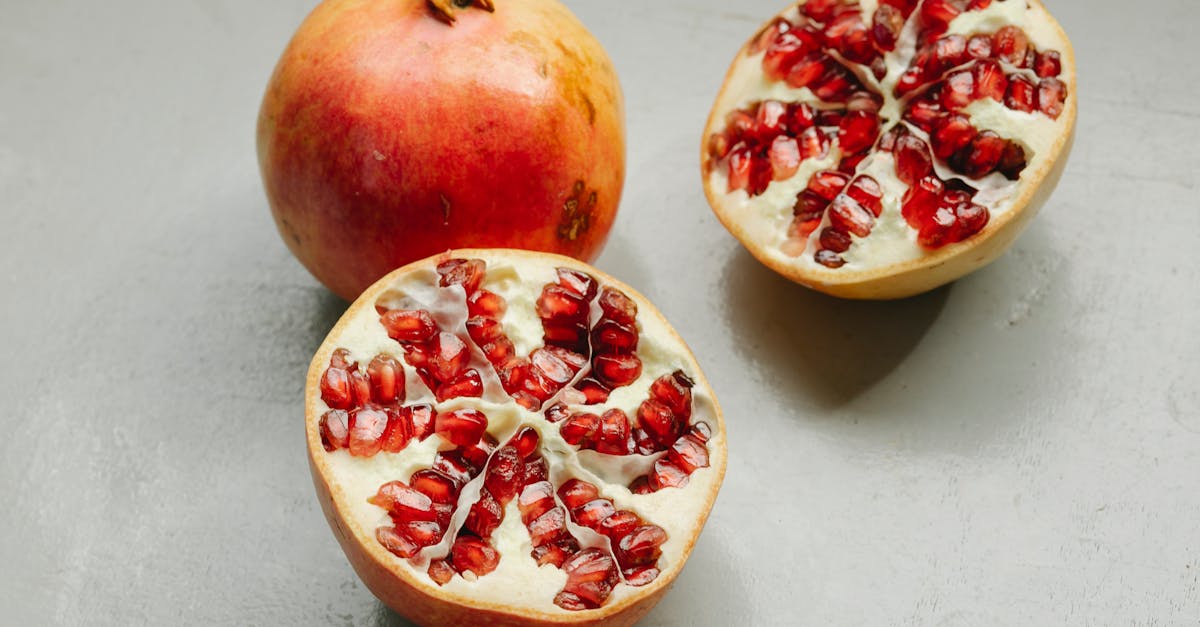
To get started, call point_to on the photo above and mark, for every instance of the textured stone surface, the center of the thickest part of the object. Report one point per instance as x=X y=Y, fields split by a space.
x=1019 y=448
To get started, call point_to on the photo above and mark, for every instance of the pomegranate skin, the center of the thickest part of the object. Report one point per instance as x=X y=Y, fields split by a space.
x=387 y=135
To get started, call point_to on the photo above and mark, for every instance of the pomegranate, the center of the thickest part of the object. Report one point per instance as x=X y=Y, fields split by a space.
x=512 y=437
x=881 y=148
x=392 y=130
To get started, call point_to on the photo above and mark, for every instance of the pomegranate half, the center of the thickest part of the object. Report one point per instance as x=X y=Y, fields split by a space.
x=508 y=437
x=882 y=148
x=392 y=130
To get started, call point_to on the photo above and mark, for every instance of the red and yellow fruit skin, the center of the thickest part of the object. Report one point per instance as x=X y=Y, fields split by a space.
x=386 y=136
x=413 y=595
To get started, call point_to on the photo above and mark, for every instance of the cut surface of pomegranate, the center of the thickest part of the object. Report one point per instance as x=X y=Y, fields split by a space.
x=881 y=148
x=511 y=436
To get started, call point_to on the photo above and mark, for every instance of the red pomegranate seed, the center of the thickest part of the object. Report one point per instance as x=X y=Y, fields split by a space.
x=592 y=513
x=1051 y=93
x=660 y=423
x=858 y=131
x=643 y=443
x=335 y=429
x=613 y=437
x=924 y=114
x=555 y=554
x=420 y=420
x=360 y=386
x=950 y=135
x=813 y=143
x=990 y=81
x=853 y=39
x=1012 y=161
x=422 y=532
x=591 y=576
x=867 y=192
x=440 y=572
x=970 y=219
x=641 y=575
x=641 y=485
x=667 y=475
x=366 y=428
x=473 y=554
x=800 y=116
x=467 y=384
x=619 y=524
x=395 y=543
x=836 y=85
x=617 y=306
x=485 y=304
x=827 y=184
x=504 y=474
x=912 y=159
x=689 y=453
x=768 y=34
x=785 y=157
x=403 y=503
x=981 y=157
x=921 y=200
x=674 y=391
x=979 y=47
x=886 y=27
x=449 y=357
x=594 y=392
x=829 y=259
x=579 y=428
x=808 y=70
x=976 y=5
x=786 y=50
x=836 y=240
x=641 y=547
x=846 y=214
x=739 y=123
x=451 y=464
x=397 y=432
x=437 y=486
x=461 y=427
x=935 y=233
x=937 y=14
x=465 y=272
x=557 y=303
x=611 y=336
x=387 y=379
x=525 y=441
x=550 y=364
x=581 y=283
x=484 y=516
x=335 y=382
x=949 y=52
x=536 y=499
x=536 y=470
x=485 y=330
x=1048 y=64
x=738 y=168
x=701 y=431
x=769 y=120
x=575 y=492
x=617 y=370
x=409 y=326
x=1010 y=44
x=477 y=455
x=548 y=528
x=958 y=90
x=820 y=10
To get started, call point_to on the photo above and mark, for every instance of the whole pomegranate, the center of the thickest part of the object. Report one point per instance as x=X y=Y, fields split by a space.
x=392 y=130
x=504 y=437
x=881 y=148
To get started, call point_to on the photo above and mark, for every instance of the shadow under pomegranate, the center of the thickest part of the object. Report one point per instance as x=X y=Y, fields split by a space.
x=819 y=349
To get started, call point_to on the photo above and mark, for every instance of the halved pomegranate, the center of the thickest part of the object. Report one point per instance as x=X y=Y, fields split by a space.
x=504 y=437
x=881 y=148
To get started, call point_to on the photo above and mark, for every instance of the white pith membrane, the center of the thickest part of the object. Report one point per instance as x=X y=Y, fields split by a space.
x=518 y=583
x=764 y=220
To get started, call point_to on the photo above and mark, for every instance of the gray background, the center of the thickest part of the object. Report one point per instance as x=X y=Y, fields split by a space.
x=1022 y=447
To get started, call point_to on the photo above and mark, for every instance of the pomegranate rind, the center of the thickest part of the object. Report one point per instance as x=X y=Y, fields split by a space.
x=936 y=267
x=412 y=593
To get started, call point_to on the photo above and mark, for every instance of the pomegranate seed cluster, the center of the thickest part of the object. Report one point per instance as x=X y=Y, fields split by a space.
x=445 y=515
x=894 y=82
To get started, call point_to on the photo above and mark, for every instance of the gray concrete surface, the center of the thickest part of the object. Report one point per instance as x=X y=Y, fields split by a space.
x=1020 y=448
